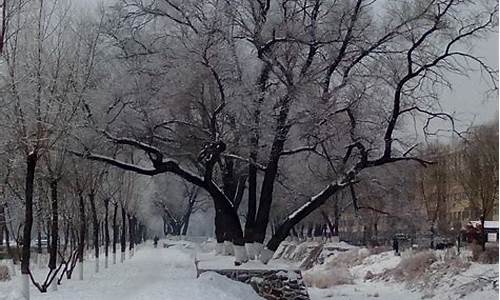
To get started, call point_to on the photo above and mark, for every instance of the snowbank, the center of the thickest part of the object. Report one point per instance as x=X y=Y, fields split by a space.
x=324 y=277
x=375 y=264
x=223 y=288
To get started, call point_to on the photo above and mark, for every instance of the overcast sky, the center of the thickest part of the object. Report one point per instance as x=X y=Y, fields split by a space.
x=468 y=97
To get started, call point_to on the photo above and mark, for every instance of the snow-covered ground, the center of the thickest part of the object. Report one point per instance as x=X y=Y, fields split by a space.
x=209 y=261
x=170 y=273
x=476 y=282
x=153 y=273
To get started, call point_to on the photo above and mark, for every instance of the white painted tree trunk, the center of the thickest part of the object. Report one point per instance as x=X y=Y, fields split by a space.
x=257 y=248
x=53 y=285
x=97 y=264
x=250 y=250
x=80 y=270
x=122 y=258
x=114 y=258
x=228 y=248
x=266 y=255
x=106 y=262
x=13 y=268
x=25 y=286
x=240 y=253
x=219 y=248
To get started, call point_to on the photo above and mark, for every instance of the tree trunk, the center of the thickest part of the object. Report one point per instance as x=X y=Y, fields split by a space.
x=331 y=227
x=186 y=218
x=229 y=184
x=229 y=220
x=131 y=230
x=7 y=245
x=137 y=232
x=483 y=233
x=310 y=227
x=336 y=220
x=252 y=203
x=240 y=191
x=115 y=231
x=3 y=224
x=66 y=239
x=83 y=230
x=252 y=168
x=28 y=217
x=318 y=230
x=39 y=238
x=296 y=217
x=166 y=226
x=95 y=228
x=266 y=193
x=123 y=235
x=55 y=226
x=106 y=232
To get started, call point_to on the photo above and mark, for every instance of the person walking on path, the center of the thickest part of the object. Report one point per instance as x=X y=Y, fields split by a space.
x=395 y=246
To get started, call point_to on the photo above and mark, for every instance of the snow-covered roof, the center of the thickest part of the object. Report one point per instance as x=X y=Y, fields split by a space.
x=487 y=224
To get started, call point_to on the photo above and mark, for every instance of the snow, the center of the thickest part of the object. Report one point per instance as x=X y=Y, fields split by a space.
x=153 y=273
x=209 y=261
x=303 y=207
x=487 y=224
x=477 y=282
x=377 y=263
x=170 y=273
x=223 y=288
x=365 y=290
x=474 y=283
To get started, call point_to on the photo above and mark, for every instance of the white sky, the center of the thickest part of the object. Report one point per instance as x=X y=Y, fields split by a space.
x=468 y=97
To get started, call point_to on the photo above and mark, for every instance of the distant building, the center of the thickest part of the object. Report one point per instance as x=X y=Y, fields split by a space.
x=443 y=194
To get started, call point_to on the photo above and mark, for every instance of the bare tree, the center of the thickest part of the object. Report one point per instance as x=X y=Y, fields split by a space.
x=331 y=80
x=478 y=172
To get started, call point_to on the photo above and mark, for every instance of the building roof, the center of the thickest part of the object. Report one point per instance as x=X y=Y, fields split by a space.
x=487 y=224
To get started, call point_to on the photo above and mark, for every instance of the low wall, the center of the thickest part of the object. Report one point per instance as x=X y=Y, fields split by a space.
x=269 y=284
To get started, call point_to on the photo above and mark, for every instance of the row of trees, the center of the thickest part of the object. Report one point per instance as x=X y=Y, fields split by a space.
x=465 y=174
x=48 y=67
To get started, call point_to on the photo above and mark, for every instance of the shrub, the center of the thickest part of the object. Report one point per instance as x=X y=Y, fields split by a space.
x=414 y=266
x=349 y=258
x=489 y=256
x=378 y=249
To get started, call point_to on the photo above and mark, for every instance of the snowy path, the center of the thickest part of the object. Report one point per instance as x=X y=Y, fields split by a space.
x=167 y=274
x=365 y=290
x=148 y=275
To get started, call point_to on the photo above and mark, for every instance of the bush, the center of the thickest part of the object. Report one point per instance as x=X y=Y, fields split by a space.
x=349 y=258
x=4 y=273
x=369 y=275
x=489 y=256
x=414 y=266
x=378 y=249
